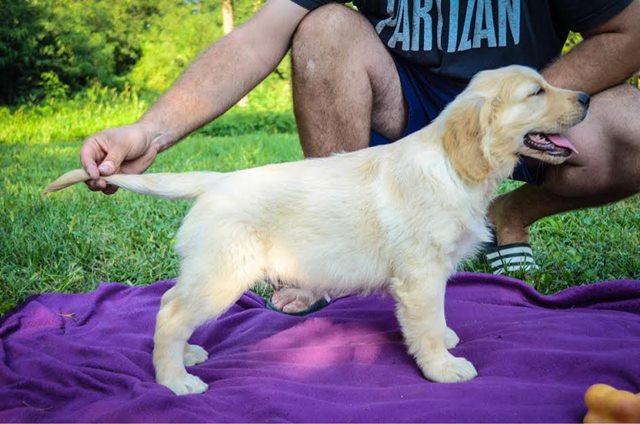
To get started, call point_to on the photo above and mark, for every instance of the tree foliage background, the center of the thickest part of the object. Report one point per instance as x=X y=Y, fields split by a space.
x=53 y=48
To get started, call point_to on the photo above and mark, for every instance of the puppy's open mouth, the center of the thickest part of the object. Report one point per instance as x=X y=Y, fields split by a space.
x=552 y=144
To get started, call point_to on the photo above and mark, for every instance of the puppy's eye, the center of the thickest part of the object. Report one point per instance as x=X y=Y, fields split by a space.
x=540 y=91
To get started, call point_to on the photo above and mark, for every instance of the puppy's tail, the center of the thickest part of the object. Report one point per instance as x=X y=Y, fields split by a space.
x=186 y=185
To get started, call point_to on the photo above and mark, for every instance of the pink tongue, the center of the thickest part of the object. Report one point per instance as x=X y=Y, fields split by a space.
x=561 y=141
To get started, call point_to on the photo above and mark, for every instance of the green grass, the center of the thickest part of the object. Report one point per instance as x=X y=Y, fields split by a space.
x=77 y=238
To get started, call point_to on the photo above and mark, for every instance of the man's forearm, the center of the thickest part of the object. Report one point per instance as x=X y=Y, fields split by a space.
x=224 y=73
x=607 y=57
x=598 y=63
x=211 y=85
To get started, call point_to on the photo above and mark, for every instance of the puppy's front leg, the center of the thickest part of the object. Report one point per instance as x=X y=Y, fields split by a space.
x=420 y=311
x=451 y=339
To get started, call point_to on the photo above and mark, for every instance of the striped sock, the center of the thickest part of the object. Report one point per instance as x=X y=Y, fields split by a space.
x=510 y=258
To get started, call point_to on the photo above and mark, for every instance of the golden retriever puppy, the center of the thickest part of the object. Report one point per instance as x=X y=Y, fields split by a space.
x=398 y=217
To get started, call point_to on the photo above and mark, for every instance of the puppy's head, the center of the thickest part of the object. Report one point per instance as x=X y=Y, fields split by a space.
x=508 y=112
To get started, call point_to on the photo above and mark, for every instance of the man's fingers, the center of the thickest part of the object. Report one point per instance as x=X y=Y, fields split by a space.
x=96 y=185
x=88 y=160
x=110 y=189
x=101 y=185
x=92 y=185
x=138 y=165
x=111 y=163
x=113 y=151
x=107 y=167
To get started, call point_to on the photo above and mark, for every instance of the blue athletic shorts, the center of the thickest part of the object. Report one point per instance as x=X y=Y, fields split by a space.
x=426 y=95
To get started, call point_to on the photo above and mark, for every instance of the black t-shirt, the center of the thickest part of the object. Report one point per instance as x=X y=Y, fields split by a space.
x=458 y=38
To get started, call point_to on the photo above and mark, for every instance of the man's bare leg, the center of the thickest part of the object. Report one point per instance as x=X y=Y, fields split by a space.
x=606 y=169
x=344 y=84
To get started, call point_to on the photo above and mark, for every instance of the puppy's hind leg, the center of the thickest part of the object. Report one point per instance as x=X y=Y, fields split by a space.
x=193 y=354
x=420 y=311
x=195 y=300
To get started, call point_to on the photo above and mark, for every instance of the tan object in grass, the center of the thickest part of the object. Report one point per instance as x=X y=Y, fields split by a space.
x=606 y=404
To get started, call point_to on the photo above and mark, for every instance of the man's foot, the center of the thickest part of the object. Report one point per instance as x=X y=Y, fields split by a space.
x=510 y=258
x=510 y=251
x=506 y=225
x=294 y=301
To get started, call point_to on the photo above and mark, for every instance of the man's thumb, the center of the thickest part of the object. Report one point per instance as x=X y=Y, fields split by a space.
x=107 y=167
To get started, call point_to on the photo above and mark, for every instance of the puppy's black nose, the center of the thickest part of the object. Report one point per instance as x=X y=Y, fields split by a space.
x=584 y=99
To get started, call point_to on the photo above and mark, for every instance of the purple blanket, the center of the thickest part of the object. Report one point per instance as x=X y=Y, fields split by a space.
x=87 y=357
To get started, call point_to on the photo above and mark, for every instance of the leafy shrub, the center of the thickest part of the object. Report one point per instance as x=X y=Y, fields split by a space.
x=19 y=29
x=173 y=39
x=52 y=46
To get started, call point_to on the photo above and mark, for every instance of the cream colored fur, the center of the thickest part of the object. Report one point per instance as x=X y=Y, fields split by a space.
x=398 y=217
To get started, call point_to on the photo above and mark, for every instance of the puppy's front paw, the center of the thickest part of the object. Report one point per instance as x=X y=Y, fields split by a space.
x=194 y=354
x=188 y=384
x=449 y=370
x=451 y=339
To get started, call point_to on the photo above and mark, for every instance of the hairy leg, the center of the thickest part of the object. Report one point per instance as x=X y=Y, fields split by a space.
x=607 y=168
x=344 y=84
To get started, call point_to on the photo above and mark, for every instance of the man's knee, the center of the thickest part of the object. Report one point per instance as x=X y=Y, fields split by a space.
x=324 y=24
x=324 y=34
x=616 y=112
x=609 y=145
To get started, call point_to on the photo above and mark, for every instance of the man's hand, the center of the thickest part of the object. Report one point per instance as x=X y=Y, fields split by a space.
x=129 y=150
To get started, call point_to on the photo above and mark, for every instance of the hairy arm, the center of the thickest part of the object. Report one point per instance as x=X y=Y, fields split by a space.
x=225 y=72
x=607 y=56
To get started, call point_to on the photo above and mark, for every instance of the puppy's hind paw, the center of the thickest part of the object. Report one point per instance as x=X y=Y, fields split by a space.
x=189 y=384
x=194 y=354
x=450 y=370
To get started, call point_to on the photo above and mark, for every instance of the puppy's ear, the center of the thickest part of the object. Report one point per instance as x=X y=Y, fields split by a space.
x=463 y=137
